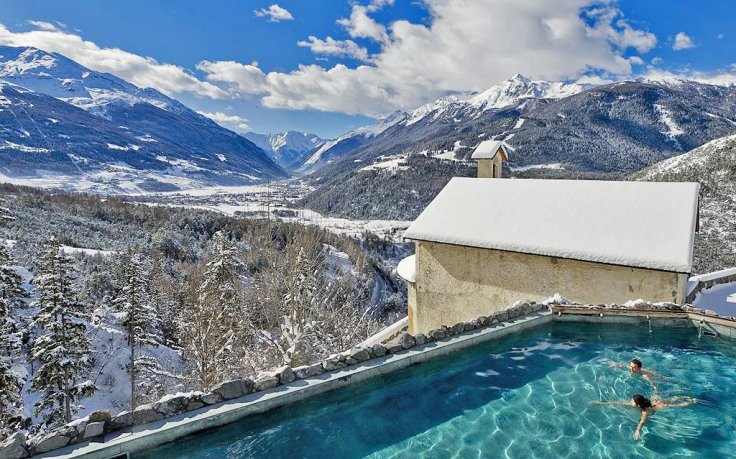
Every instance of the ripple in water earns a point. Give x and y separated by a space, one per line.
522 397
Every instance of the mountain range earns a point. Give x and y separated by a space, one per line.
65 124
556 130
289 149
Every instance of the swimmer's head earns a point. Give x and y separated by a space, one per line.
635 365
641 402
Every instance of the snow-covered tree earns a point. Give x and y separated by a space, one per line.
11 403
142 326
62 348
216 317
11 294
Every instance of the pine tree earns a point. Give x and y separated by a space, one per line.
142 324
11 403
216 319
62 348
11 294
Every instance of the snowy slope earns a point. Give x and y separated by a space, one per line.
712 165
65 125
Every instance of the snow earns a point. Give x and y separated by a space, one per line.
720 298
221 157
673 129
14 146
641 224
391 163
714 275
69 250
407 269
553 166
519 123
113 146
488 149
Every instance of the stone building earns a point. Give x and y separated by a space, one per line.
483 244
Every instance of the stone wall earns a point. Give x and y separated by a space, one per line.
456 283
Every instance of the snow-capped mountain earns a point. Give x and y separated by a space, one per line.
609 130
62 124
349 141
288 149
713 165
60 77
454 108
504 94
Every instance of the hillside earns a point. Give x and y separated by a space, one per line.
62 124
605 131
714 166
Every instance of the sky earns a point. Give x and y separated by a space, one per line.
330 66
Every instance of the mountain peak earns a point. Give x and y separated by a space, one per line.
521 78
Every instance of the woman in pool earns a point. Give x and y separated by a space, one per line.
648 407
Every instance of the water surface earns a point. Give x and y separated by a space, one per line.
525 396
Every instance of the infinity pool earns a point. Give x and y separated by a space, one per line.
518 397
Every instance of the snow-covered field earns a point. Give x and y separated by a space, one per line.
280 199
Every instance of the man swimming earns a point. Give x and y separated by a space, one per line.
648 407
635 366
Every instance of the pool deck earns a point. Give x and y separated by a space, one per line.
148 436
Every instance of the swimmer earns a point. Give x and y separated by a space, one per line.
648 407
635 366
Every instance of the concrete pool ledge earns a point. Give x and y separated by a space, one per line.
409 350
150 435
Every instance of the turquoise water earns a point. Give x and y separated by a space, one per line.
520 397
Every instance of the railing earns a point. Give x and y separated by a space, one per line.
703 281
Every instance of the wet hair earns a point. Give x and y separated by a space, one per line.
642 402
636 362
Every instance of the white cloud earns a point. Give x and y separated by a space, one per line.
42 25
657 60
682 41
636 60
330 46
360 25
720 36
223 118
274 13
139 70
611 24
467 45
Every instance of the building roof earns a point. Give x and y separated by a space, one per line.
489 148
641 224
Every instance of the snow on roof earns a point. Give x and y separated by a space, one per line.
641 224
488 149
407 269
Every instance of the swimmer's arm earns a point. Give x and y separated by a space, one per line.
642 421
616 365
613 403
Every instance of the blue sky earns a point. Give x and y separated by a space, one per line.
261 71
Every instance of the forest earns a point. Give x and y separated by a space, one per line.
105 302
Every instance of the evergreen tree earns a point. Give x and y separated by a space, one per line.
11 294
142 324
11 403
216 322
62 348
